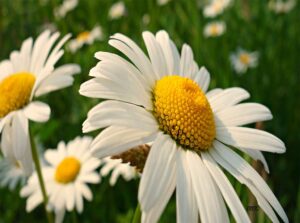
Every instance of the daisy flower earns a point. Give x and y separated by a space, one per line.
164 99
214 29
86 37
117 168
279 6
29 73
241 60
215 8
117 10
64 8
11 174
71 168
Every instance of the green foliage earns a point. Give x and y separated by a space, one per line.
250 24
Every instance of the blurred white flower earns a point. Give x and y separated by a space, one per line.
117 168
48 26
215 7
146 19
86 37
64 8
163 2
214 29
71 168
117 10
279 6
29 73
11 174
241 60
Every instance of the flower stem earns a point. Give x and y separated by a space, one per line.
40 176
137 214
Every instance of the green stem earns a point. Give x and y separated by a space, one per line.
40 176
137 214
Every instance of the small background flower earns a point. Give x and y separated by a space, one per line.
117 10
117 169
215 8
86 37
67 6
242 60
214 29
281 7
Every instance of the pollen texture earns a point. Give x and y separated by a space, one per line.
67 170
15 91
183 111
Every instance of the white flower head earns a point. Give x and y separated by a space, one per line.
241 60
162 2
71 168
163 99
280 7
117 168
214 29
215 7
117 10
29 73
67 6
11 174
86 37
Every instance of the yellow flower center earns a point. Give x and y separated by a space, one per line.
67 170
183 112
15 91
83 36
244 58
214 30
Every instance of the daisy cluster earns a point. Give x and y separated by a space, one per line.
158 121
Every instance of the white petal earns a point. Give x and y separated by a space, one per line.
119 113
79 201
59 216
33 201
70 195
91 178
226 189
158 171
60 78
186 61
135 54
114 140
202 78
20 141
6 143
86 192
242 114
249 138
187 209
257 155
156 55
154 214
263 203
213 92
37 111
227 98
205 190
163 39
246 170
25 54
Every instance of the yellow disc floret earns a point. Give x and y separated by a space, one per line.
245 58
67 170
83 36
15 91
183 112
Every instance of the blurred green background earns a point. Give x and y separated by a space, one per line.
250 25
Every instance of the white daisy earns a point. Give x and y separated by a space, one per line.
86 37
215 7
11 174
64 8
117 10
279 6
71 168
241 60
164 99
117 168
29 73
214 29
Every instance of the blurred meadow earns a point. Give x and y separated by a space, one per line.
249 24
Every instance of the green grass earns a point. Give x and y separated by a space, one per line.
275 83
